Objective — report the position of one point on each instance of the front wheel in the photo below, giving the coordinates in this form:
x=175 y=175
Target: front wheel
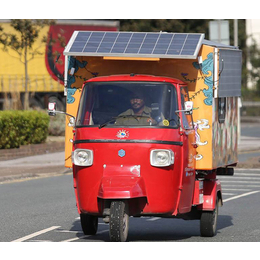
x=89 y=224
x=119 y=221
x=208 y=222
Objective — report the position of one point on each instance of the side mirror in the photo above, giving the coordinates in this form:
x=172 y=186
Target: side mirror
x=52 y=112
x=188 y=106
x=52 y=109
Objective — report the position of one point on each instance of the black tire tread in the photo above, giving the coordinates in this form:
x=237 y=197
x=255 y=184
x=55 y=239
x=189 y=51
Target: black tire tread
x=117 y=211
x=89 y=224
x=207 y=220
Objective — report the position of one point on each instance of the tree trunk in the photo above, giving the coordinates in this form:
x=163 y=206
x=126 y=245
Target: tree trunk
x=26 y=94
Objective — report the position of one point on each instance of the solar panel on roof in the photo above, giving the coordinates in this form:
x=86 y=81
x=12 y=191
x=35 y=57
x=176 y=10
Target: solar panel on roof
x=134 y=44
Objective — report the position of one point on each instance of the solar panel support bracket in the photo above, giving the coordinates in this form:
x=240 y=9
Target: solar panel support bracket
x=131 y=58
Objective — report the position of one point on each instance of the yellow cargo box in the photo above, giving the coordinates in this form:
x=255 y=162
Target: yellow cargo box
x=211 y=70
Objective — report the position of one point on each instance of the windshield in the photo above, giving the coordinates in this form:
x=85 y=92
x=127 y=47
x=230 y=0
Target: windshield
x=128 y=104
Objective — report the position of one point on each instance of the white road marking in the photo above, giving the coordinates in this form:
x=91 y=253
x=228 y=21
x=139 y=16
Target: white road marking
x=241 y=174
x=235 y=189
x=73 y=239
x=41 y=241
x=241 y=178
x=69 y=231
x=76 y=238
x=242 y=195
x=225 y=186
x=153 y=219
x=236 y=181
x=35 y=234
x=246 y=170
x=75 y=231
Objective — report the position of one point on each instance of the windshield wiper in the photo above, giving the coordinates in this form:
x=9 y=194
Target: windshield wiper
x=122 y=116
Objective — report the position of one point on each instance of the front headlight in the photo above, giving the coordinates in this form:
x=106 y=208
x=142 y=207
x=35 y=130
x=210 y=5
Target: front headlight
x=161 y=157
x=82 y=157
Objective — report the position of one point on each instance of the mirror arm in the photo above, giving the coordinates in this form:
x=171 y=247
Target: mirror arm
x=177 y=111
x=60 y=112
x=179 y=121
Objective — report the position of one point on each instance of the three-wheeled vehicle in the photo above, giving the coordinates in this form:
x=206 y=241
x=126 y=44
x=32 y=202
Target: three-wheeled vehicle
x=136 y=165
x=146 y=145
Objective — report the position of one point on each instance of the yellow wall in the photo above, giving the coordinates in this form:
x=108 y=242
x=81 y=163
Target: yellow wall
x=12 y=70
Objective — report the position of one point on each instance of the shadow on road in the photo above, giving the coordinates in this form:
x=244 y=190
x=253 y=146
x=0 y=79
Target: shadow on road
x=147 y=229
x=224 y=221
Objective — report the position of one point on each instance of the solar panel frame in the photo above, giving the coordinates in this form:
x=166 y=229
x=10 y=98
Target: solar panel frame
x=134 y=44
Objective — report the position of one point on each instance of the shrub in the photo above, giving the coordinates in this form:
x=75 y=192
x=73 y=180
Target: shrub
x=57 y=125
x=22 y=127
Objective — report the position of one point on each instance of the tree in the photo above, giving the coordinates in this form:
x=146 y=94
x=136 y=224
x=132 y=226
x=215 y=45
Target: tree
x=27 y=32
x=254 y=67
x=167 y=25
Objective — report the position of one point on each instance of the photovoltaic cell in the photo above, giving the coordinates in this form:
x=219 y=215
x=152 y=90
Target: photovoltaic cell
x=133 y=44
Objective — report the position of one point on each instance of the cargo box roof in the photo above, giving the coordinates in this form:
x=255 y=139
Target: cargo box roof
x=218 y=45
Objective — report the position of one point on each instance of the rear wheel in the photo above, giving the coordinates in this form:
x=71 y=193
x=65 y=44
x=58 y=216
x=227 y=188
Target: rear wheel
x=208 y=222
x=119 y=221
x=89 y=224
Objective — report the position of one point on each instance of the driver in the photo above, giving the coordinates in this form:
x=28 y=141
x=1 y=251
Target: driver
x=138 y=114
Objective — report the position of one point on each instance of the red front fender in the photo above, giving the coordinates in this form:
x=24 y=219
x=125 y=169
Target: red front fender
x=121 y=187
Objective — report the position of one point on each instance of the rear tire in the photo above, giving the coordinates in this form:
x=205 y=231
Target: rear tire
x=208 y=222
x=119 y=221
x=89 y=224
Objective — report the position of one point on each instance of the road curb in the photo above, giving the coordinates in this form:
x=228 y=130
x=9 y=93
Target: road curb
x=29 y=176
x=31 y=149
x=250 y=119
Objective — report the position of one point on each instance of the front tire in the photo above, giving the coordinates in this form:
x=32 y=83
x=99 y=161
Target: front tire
x=208 y=222
x=119 y=221
x=89 y=224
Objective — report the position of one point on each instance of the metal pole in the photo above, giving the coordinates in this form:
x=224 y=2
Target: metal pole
x=235 y=33
x=219 y=31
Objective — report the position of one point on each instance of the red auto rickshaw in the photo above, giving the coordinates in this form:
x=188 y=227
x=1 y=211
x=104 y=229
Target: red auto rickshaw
x=132 y=163
x=138 y=147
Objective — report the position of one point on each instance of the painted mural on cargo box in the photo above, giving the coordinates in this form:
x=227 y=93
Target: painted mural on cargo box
x=215 y=140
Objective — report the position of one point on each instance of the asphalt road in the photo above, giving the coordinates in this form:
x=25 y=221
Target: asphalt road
x=44 y=210
x=250 y=129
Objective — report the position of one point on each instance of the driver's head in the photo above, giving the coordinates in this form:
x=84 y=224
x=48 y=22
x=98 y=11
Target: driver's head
x=137 y=101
